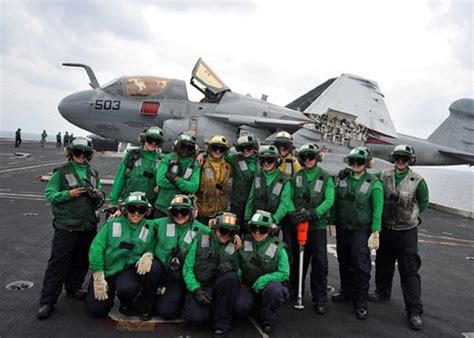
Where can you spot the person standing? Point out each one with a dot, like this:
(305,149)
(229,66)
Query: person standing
(214,189)
(75,195)
(178,173)
(17,138)
(357,214)
(271,189)
(284,143)
(244,165)
(313,197)
(58,140)
(405,197)
(137,170)
(265,270)
(210,273)
(121,259)
(44,135)
(66,139)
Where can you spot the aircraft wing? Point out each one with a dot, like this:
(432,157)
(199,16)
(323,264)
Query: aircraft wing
(290,125)
(467,157)
(355,96)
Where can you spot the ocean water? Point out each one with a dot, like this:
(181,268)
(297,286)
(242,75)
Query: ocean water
(452,186)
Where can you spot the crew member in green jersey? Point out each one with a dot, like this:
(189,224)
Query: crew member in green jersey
(210,273)
(313,189)
(137,170)
(74,192)
(405,197)
(357,215)
(121,259)
(265,272)
(178,173)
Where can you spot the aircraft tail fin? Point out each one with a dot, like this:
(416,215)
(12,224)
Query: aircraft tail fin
(305,100)
(457,131)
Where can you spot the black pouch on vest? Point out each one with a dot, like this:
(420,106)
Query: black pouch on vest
(148,174)
(126,245)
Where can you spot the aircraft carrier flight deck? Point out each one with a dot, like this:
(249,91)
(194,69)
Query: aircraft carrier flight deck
(446,247)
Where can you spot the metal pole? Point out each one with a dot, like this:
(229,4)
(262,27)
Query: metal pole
(299,302)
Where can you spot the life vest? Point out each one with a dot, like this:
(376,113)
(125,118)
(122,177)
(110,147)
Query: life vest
(401,210)
(268,197)
(242,178)
(210,199)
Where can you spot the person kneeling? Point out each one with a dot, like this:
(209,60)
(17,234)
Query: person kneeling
(122,262)
(210,273)
(265,272)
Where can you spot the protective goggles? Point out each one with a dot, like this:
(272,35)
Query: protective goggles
(269,160)
(137,209)
(403,158)
(78,152)
(187,147)
(218,148)
(258,228)
(153,140)
(242,149)
(180,211)
(280,144)
(227,232)
(307,157)
(356,161)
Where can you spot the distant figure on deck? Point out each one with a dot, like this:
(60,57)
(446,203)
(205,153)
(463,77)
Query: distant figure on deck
(17,138)
(66,139)
(44,135)
(58,140)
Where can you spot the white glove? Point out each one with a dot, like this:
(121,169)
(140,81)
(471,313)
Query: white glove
(374,242)
(144,263)
(100,286)
(332,230)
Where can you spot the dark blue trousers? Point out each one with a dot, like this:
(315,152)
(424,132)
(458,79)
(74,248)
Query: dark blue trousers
(224,293)
(130,288)
(265,303)
(68,264)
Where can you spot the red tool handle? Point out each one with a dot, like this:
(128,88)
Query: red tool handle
(302,233)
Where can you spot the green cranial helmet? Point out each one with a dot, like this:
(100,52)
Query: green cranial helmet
(262,218)
(268,151)
(246,140)
(155,132)
(227,220)
(137,198)
(308,148)
(81,142)
(360,152)
(404,150)
(185,138)
(181,201)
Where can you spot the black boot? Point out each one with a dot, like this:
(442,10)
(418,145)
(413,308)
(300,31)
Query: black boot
(44,311)
(340,297)
(147,313)
(79,294)
(361,313)
(415,322)
(378,296)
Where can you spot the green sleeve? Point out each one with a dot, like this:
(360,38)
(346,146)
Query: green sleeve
(230,159)
(52,192)
(328,199)
(281,275)
(188,269)
(422,195)
(161,179)
(249,205)
(377,206)
(191,185)
(119,183)
(97,250)
(286,203)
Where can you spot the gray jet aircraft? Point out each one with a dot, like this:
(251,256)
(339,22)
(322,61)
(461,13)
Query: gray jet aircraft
(338,115)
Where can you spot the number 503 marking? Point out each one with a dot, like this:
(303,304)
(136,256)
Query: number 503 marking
(107,104)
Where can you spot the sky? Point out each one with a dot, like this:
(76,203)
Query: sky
(419,52)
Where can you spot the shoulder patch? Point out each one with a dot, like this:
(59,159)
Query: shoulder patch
(271,250)
(248,246)
(170,230)
(116,229)
(230,248)
(205,241)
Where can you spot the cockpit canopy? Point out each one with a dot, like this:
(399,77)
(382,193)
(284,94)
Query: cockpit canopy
(147,86)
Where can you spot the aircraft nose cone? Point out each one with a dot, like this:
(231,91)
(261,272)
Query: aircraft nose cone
(75,108)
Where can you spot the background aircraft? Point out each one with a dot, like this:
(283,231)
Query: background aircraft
(339,114)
